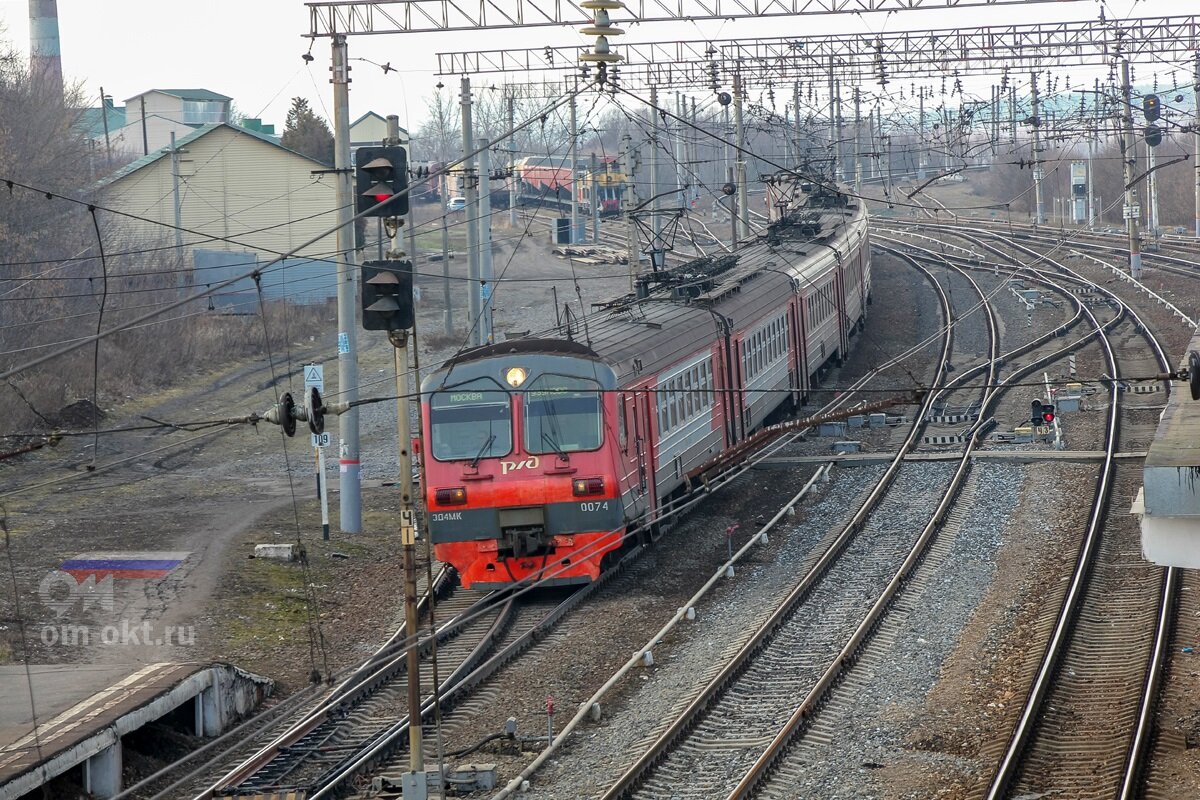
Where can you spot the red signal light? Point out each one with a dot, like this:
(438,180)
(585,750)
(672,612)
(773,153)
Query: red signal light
(1047,413)
(379,198)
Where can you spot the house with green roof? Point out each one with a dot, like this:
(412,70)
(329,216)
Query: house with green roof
(152,116)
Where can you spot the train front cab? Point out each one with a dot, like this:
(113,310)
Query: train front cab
(520,470)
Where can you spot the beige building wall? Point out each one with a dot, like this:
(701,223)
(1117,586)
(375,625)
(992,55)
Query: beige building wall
(237,187)
(158,134)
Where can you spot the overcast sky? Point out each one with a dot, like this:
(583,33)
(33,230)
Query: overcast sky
(251,49)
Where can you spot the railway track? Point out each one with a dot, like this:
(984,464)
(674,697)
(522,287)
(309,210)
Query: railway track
(743,705)
(326,753)
(780,771)
(1084,727)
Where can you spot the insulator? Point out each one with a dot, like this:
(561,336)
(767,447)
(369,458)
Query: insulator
(601,28)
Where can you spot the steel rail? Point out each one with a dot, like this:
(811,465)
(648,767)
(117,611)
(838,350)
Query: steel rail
(363,679)
(1139,740)
(762,767)
(635,774)
(1140,737)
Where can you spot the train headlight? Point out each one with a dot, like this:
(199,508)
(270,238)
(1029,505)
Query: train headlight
(451,497)
(583,487)
(515,376)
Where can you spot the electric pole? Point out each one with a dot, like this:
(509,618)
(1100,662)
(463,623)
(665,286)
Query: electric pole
(921,157)
(833,126)
(178,206)
(1196,138)
(595,187)
(857,142)
(471,195)
(350,486)
(486,281)
(655,219)
(512,158)
(629,200)
(576,233)
(1129,158)
(743,210)
(1039,217)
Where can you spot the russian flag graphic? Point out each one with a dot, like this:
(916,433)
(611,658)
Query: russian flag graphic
(134,565)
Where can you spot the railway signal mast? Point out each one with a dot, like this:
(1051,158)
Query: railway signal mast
(387,305)
(1131,210)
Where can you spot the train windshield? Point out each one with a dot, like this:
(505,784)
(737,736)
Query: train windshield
(562,415)
(471,422)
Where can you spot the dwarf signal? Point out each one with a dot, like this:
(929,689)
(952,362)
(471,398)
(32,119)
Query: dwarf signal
(1041,413)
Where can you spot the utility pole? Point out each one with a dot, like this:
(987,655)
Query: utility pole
(726,133)
(743,209)
(694,138)
(486,281)
(471,195)
(178,206)
(921,134)
(1196,141)
(1093,143)
(595,187)
(857,142)
(145,134)
(655,219)
(576,232)
(1129,158)
(448,314)
(629,200)
(104,117)
(512,158)
(796,130)
(996,99)
(350,487)
(833,126)
(679,147)
(1039,214)
(1152,193)
(888,154)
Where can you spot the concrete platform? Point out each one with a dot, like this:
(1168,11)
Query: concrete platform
(1169,502)
(1006,456)
(83,710)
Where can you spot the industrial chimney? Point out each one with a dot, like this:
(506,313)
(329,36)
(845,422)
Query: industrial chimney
(45,59)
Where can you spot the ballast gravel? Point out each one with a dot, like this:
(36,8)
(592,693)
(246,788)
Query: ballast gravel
(597,754)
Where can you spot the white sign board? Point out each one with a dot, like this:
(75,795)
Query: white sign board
(320,439)
(1039,174)
(1131,212)
(314,375)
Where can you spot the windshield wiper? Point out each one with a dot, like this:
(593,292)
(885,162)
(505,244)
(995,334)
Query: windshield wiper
(482,450)
(555,446)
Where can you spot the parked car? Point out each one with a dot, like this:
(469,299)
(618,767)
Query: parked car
(456,204)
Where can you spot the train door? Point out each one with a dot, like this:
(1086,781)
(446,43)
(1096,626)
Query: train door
(643,446)
(796,346)
(739,371)
(843,313)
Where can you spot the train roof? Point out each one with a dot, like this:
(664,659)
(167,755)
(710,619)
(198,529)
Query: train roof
(686,304)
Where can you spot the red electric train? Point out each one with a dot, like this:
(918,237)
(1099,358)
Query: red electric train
(541,452)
